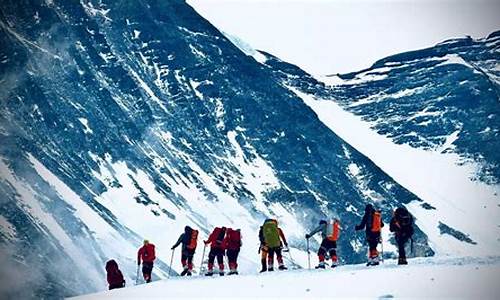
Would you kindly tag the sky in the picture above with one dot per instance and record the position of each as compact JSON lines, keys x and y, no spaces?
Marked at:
{"x":341,"y":36}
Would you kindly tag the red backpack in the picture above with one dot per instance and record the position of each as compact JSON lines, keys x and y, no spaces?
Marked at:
{"x":233,"y":239}
{"x":376,"y":221}
{"x":193,"y":241}
{"x":114,"y":275}
{"x":333,"y":230}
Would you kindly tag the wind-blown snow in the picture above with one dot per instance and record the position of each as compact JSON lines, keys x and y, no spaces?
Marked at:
{"x":457,"y":59}
{"x":246,"y":48}
{"x":46,"y":222}
{"x":462,"y":278}
{"x":7,"y":230}
{"x":441,"y":179}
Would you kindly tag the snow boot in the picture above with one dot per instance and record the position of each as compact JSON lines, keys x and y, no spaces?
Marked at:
{"x":221,"y":273}
{"x":189,"y":273}
{"x":270,"y":269}
{"x":234,"y":272}
{"x":264,"y":266}
{"x":402,"y":261}
{"x":320,"y":266}
{"x":282,"y":267}
{"x":372,"y":263}
{"x":209,"y":273}
{"x":184,"y":272}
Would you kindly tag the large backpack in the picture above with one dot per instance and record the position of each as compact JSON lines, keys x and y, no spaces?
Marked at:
{"x":405,"y":221}
{"x":376,"y":221}
{"x":220,"y":235}
{"x":233,"y":238}
{"x":271,"y":234}
{"x":114,"y":275}
{"x":333,"y":230}
{"x":111,"y":266}
{"x":193,"y":240}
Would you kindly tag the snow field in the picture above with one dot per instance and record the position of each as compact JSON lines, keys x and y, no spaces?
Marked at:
{"x":464,"y":278}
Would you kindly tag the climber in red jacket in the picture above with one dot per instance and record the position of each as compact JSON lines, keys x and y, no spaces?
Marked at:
{"x":147,"y":254}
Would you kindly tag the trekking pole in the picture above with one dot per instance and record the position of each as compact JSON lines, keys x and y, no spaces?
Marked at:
{"x":382,"y":248}
{"x":137,"y":275}
{"x":171,"y":261}
{"x":291,"y":258}
{"x":202,"y":258}
{"x":308,"y":255}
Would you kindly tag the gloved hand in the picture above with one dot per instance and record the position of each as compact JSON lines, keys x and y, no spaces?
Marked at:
{"x":357,"y":227}
{"x":206,"y":242}
{"x":138,"y":263}
{"x":173,"y":247}
{"x":307,"y":236}
{"x":286,"y":245}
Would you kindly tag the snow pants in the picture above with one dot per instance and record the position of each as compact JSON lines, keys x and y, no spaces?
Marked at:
{"x":147,"y":269}
{"x":330,"y":247}
{"x":232,"y":257}
{"x":216,"y":252}
{"x":401,"y":241}
{"x":270,"y":256}
{"x":373,"y":239}
{"x":187,"y":259}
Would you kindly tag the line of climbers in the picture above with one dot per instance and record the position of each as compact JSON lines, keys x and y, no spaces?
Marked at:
{"x":227,"y":242}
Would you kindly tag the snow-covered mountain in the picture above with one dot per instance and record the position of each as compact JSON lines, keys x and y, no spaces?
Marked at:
{"x":124,"y":120}
{"x":430,"y":119}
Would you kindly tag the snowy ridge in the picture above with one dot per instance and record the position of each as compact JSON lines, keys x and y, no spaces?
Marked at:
{"x":246,"y":48}
{"x":466,"y":278}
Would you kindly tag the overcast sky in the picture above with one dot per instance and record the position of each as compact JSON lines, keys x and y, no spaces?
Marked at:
{"x":340,"y":36}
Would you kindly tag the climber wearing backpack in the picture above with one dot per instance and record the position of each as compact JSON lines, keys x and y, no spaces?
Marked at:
{"x":216,"y":241}
{"x":232,"y":244}
{"x":402,"y":226}
{"x":189,"y":241}
{"x":147,"y":254}
{"x":330,"y":233}
{"x":372,"y":223}
{"x":114,"y":275}
{"x":274,"y":239}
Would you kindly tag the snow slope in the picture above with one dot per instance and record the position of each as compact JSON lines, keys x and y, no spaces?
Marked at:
{"x":438,"y":178}
{"x":424,"y":278}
